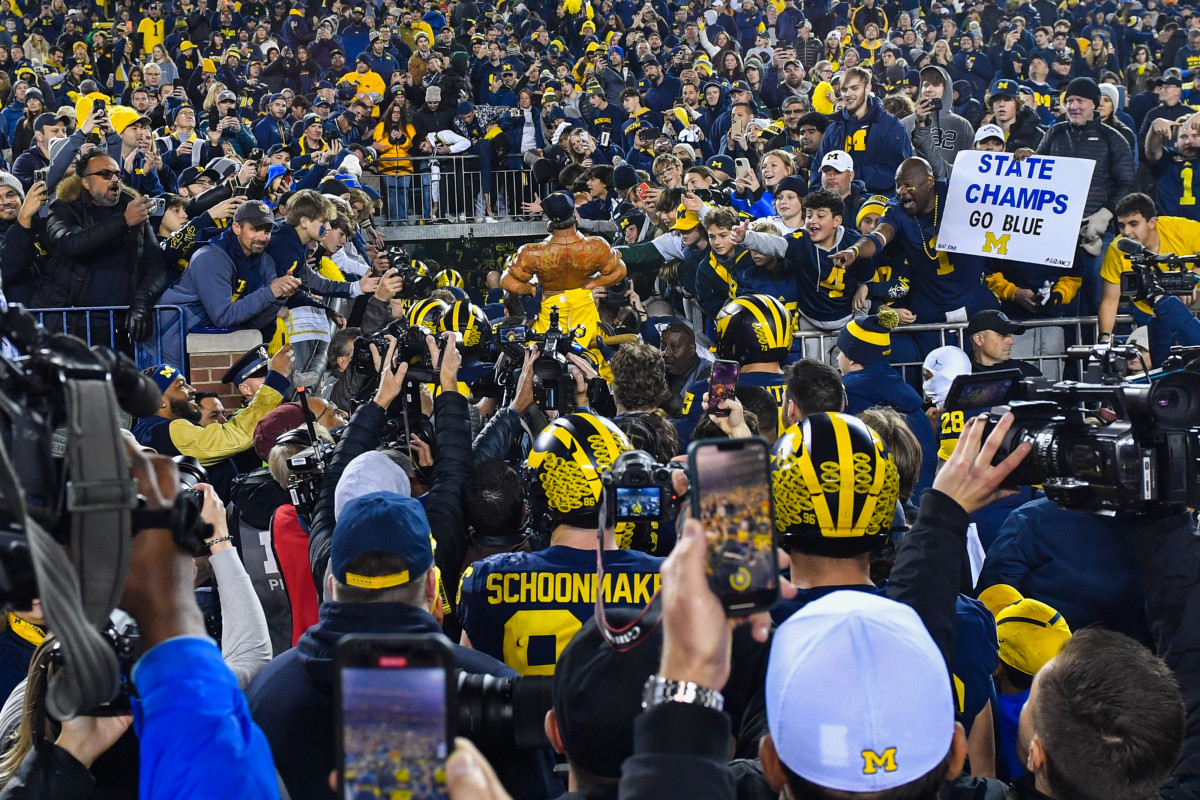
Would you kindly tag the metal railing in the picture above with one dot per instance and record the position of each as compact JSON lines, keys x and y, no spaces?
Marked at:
{"x":1043,"y":343}
{"x":453,"y":189}
{"x":105,"y":325}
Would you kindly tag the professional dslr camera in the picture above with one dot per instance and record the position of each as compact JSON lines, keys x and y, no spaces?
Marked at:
{"x":638,"y":489}
{"x":418,"y":284}
{"x":1177,"y":279}
{"x":1143,"y":461}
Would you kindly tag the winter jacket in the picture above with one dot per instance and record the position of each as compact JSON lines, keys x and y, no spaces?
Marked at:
{"x":1026,"y":131}
{"x":1112,"y":178}
{"x":443,"y":504}
{"x":292,"y":699}
{"x":1080,"y":564}
{"x":290,"y":257}
{"x":966,"y":106}
{"x":878,"y":143}
{"x":21,"y":261}
{"x":95,"y":258}
{"x":974,"y":67}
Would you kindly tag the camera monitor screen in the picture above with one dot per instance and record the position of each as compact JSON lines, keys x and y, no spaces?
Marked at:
{"x":638,"y":503}
{"x":513,"y":335}
{"x":394,"y":731}
{"x":982,"y":391}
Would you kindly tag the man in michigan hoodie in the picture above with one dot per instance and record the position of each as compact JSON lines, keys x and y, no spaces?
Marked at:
{"x":934,"y":125}
{"x":875,"y":139}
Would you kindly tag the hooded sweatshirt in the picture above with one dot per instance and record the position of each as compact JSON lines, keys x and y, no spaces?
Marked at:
{"x":947,"y":133}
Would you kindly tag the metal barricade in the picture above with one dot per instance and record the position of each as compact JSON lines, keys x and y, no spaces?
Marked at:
{"x":452,"y":189}
{"x":1074,"y":330}
{"x":98,"y":325}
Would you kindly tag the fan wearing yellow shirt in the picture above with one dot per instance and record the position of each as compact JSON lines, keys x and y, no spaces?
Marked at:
{"x":1138,"y":219}
{"x":363,"y":78}
{"x":152,"y":29}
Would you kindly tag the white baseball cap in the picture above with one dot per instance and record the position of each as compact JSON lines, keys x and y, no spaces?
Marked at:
{"x":989,"y":132}
{"x":840,"y":160}
{"x":858,"y":695}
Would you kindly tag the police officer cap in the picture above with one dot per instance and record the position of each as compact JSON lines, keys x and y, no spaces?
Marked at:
{"x":253,"y":364}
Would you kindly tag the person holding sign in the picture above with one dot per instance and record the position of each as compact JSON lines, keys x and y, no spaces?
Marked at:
{"x":945,"y":287}
{"x":1083,"y":135}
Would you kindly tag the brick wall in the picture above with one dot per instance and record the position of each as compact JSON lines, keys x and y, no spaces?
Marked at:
{"x":210,"y":354}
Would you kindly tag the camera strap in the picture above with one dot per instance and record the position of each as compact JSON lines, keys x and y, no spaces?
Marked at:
{"x":625,"y":638}
{"x":90,"y":674}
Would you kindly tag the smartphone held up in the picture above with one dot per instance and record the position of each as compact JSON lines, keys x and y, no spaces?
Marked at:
{"x":394,"y":702}
{"x":731,"y":496}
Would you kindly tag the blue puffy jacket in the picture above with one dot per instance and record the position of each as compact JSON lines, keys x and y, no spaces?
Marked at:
{"x":878,"y":144}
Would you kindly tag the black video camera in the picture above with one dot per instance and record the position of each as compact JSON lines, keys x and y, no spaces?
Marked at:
{"x":417,"y":282}
{"x":509,"y":709}
{"x":638,"y":489}
{"x":1145,"y":460}
{"x":1172,"y":273}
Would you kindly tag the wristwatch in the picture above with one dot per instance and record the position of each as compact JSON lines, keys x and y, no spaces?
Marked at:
{"x":659,"y":690}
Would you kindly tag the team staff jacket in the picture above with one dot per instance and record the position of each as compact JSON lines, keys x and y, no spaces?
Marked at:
{"x":877,"y":143}
{"x":938,"y":284}
{"x":693,"y":401}
{"x":523,"y":608}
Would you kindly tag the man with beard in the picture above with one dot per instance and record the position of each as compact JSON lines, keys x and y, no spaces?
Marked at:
{"x":20,"y":226}
{"x":683,"y":364}
{"x":175,"y":429}
{"x":944,"y":286}
{"x":1173,"y":167}
{"x":231,"y":282}
{"x":102,"y":249}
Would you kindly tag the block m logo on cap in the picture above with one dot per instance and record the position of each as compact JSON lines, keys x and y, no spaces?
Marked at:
{"x":873,"y":762}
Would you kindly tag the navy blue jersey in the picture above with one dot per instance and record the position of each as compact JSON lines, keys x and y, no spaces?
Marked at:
{"x":939,"y":282}
{"x":523,"y":608}
{"x":1177,"y":185}
{"x":693,"y":401}
{"x":825,"y":292}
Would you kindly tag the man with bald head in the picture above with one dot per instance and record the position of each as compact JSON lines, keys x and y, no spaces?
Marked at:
{"x":945,"y":287}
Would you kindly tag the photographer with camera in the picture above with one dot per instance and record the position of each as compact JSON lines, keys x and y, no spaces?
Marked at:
{"x":1138,"y":219}
{"x":365,"y":431}
{"x":382,"y":580}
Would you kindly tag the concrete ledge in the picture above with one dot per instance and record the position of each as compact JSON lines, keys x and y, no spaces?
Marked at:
{"x":232,"y":342}
{"x":503,"y":229}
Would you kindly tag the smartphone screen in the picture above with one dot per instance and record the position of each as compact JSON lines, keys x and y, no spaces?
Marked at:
{"x":731,"y":496}
{"x":722,"y":385}
{"x":395,"y":720}
{"x":513,"y":335}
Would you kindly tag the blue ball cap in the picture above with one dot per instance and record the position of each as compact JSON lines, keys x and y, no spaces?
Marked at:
{"x":465,"y":107}
{"x":1004,"y":87}
{"x":559,"y":206}
{"x":381,"y":522}
{"x":164,"y":375}
{"x":723,"y":163}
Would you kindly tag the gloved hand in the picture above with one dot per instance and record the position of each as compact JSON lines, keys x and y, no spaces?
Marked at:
{"x":137,"y":320}
{"x":1052,"y":301}
{"x":1095,"y":226}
